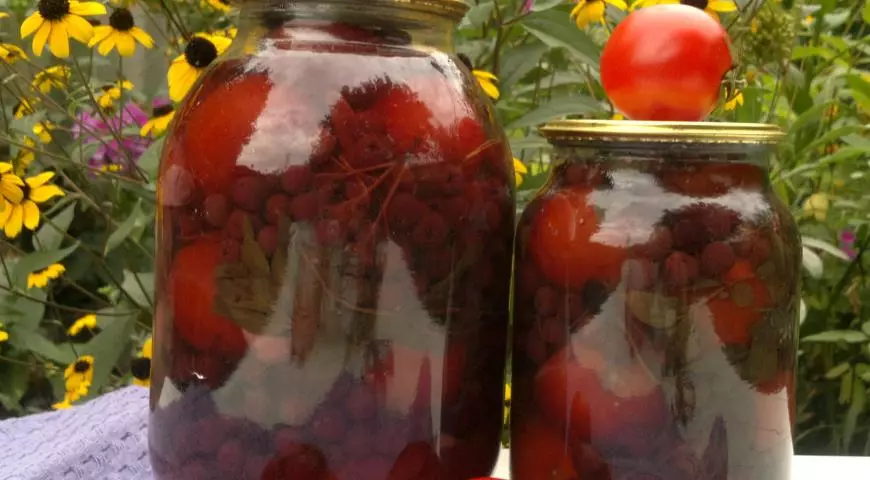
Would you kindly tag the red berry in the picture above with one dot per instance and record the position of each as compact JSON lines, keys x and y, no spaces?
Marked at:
{"x":361,"y":403}
{"x":369,"y":150}
{"x":754,"y":248}
{"x":546,"y":301}
{"x":218,"y":122}
{"x":297,"y":179}
{"x":267,"y":238}
{"x":304,"y":207}
{"x":255,"y":467}
{"x":407,"y":119}
{"x":328,"y":425}
{"x":235,"y":226}
{"x":303,"y":461}
{"x":539,"y":451}
{"x":287,"y":440}
{"x":368,"y":468}
{"x":680,"y":269}
{"x":659,"y":244}
{"x":584,"y":175}
{"x":231,"y":457}
{"x":716,"y":259}
{"x":231,"y":250}
{"x":417,"y":461}
{"x":250,"y":193}
{"x":358,"y":441}
{"x":431,"y":231}
{"x":192,"y":293}
{"x":276,"y":207}
{"x":404,"y":211}
{"x":217,"y":209}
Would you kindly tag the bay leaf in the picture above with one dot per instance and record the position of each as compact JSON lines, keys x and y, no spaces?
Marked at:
{"x":652,"y":309}
{"x":252,"y":255}
{"x":742,"y":295}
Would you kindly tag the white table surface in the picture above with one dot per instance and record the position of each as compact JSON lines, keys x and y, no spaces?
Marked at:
{"x":803,"y":468}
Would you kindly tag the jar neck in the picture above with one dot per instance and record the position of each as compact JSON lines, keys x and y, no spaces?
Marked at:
{"x":389,"y":23}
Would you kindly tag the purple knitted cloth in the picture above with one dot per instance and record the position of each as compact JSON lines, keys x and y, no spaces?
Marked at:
{"x":104,"y":439}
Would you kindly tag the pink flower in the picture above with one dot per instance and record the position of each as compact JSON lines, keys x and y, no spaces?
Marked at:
{"x":847,"y":242}
{"x":113,"y":153}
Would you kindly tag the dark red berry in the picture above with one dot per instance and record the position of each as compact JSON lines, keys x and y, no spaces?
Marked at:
{"x":323,"y":149}
{"x":431,"y":231}
{"x":250,"y":193}
{"x":304,"y":207}
{"x":720,"y":222}
{"x":404,"y":211}
{"x":328,"y":425}
{"x":755,"y":248}
{"x":689,"y":235}
{"x":586,"y":175}
{"x":276,"y":207}
{"x":287,"y":439}
{"x":358,"y":440}
{"x":297,"y":179}
{"x":216,"y":209}
{"x":361,"y":403}
{"x":553,"y":330}
{"x":546,"y":301}
{"x":369,"y":150}
{"x":439,"y":263}
{"x":680,"y":269}
{"x":716,"y":259}
{"x":235,"y":227}
{"x":189,"y":225}
{"x":659,"y":244}
{"x":231,"y":457}
{"x":267,"y":238}
{"x":304,"y":461}
{"x":255,"y":467}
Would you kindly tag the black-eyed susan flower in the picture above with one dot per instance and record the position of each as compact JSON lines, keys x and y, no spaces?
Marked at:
{"x":159,"y":121}
{"x":712,"y":7}
{"x":486,"y":79}
{"x":4,"y":335}
{"x":140,"y":367}
{"x":11,"y":187}
{"x":219,"y":5}
{"x":52,"y":77}
{"x":77,"y":379}
{"x":25,"y":107}
{"x":43,"y":130}
{"x":199,"y":53}
{"x":26,"y":214}
{"x":520,"y":170}
{"x":121,"y":33}
{"x":26,"y":156}
{"x":41,"y":278}
{"x":734,"y":101}
{"x":55,"y":21}
{"x":4,"y":14}
{"x":227,"y":32}
{"x":88,"y":321}
{"x":589,"y":11}
{"x":112,"y":92}
{"x":10,"y":53}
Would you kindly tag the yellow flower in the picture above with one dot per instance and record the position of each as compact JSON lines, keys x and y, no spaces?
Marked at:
{"x":809,"y":20}
{"x":51,"y":78}
{"x":617,"y":116}
{"x":734,"y":101}
{"x":42,"y":130}
{"x":78,"y":378}
{"x":219,"y":5}
{"x":227,"y":32}
{"x":11,"y":53}
{"x":588,"y":11}
{"x":111,"y":93}
{"x":817,"y":206}
{"x":54,"y":21}
{"x":11,"y":186}
{"x":88,"y":321}
{"x":26,"y":155}
{"x":140,"y":367}
{"x":41,"y":278}
{"x":4,"y":335}
{"x":712,"y":7}
{"x":4,"y":14}
{"x":487,"y":81}
{"x":507,"y":402}
{"x":25,"y":107}
{"x":159,"y":121}
{"x":199,"y":53}
{"x":121,"y":33}
{"x":519,"y":170}
{"x":26,"y":213}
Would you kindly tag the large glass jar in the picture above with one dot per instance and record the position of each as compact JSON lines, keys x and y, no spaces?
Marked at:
{"x":335,"y":238}
{"x":655,"y":308}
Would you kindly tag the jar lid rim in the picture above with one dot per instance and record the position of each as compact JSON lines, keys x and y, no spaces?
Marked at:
{"x":562,"y":131}
{"x":454,"y":9}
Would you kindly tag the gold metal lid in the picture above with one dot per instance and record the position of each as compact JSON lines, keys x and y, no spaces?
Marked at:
{"x":571,"y":131}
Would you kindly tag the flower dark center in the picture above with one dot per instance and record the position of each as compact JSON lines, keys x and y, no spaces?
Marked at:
{"x":82,"y":366}
{"x":53,"y":10}
{"x":162,"y":110}
{"x":702,"y":4}
{"x":465,"y":60}
{"x":141,"y":368}
{"x":200,"y":52}
{"x":121,"y":20}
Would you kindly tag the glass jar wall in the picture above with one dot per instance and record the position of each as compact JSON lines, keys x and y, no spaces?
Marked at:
{"x":655,"y":308}
{"x":335,"y":239}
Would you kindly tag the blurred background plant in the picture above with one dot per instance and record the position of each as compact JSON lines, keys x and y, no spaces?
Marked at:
{"x":83,"y":118}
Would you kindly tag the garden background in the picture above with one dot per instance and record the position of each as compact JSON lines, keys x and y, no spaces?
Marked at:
{"x":83,"y":117}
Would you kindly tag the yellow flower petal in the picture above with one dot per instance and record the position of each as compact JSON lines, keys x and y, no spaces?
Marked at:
{"x":86,"y":8}
{"x":38,"y":180}
{"x":41,"y":38}
{"x":620,"y":4}
{"x":713,"y":14}
{"x":58,"y":43}
{"x":15,"y":221}
{"x":31,"y":24}
{"x":483,"y":74}
{"x":126,"y":44}
{"x":722,"y":6}
{"x":3,"y":336}
{"x":5,"y":167}
{"x":10,"y":190}
{"x":181,"y":77}
{"x":79,"y":28}
{"x":101,"y":32}
{"x":31,"y":215}
{"x":5,"y":212}
{"x":142,"y":37}
{"x":108,"y":43}
{"x":45,"y":193}
{"x":490,"y":89}
{"x":520,"y":167}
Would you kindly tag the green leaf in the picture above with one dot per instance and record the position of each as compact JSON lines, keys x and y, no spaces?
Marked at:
{"x":811,"y":115}
{"x":34,"y":341}
{"x":812,"y":263}
{"x":846,"y":385}
{"x":863,"y":371}
{"x":35,"y":261}
{"x":833,"y":336}
{"x":825,"y":247}
{"x":142,"y":297}
{"x":555,"y":28}
{"x":517,"y":62}
{"x":29,"y":309}
{"x":806,"y":51}
{"x":834,"y":135}
{"x":865,"y":13}
{"x":135,"y":219}
{"x":16,"y":379}
{"x":842,"y":155}
{"x":149,"y":161}
{"x":865,"y":327}
{"x":50,"y":235}
{"x":856,"y":408}
{"x":557,"y":107}
{"x":858,"y":84}
{"x":838,"y":370}
{"x":107,"y":348}
{"x":477,"y":15}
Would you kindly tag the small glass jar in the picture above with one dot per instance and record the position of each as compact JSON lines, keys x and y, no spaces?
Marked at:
{"x":655,"y":307}
{"x":336,"y":222}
